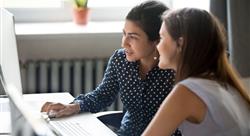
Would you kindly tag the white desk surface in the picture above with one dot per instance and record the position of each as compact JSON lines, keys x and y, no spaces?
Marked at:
{"x":35,"y":101}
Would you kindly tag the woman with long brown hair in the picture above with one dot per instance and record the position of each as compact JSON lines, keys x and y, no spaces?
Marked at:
{"x":208,"y":98}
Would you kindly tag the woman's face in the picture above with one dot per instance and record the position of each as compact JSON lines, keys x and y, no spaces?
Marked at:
{"x":167,"y":49}
{"x":136,"y":43}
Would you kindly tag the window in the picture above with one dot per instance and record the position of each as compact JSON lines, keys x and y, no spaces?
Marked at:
{"x":31,"y":3}
{"x":38,"y":10}
{"x":101,"y":10}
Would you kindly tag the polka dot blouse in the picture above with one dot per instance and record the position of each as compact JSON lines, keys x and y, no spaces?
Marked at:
{"x":140,"y":97}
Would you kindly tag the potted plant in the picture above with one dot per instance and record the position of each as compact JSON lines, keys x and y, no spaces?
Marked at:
{"x":81,"y":11}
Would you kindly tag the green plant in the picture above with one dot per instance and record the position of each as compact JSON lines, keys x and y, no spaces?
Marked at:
{"x":81,"y":3}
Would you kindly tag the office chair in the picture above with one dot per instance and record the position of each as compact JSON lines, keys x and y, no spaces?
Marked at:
{"x":112,"y":119}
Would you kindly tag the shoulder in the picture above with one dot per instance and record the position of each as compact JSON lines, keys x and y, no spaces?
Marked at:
{"x":118,"y":55}
{"x":184,"y":105}
{"x":118,"y":59}
{"x":194,"y":105}
{"x":197,"y":86}
{"x":209,"y":91}
{"x":183,"y":93}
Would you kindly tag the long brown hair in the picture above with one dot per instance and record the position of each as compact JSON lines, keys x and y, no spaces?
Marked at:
{"x":203,"y":53}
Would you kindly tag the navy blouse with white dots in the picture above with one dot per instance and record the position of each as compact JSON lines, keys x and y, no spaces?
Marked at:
{"x":140,"y":97}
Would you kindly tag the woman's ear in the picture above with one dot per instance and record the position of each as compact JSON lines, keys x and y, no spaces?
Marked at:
{"x":155,"y":43}
{"x":180,"y":43}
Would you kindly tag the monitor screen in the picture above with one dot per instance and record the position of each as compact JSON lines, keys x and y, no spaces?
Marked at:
{"x":8,"y":50}
{"x":2,"y":92}
{"x":23,"y":121}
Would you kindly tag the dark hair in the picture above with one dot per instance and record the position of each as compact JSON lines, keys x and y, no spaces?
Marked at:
{"x":147,"y":16}
{"x":203,"y":53}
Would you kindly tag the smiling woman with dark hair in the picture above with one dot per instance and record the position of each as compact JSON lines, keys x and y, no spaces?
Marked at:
{"x":132,"y":73}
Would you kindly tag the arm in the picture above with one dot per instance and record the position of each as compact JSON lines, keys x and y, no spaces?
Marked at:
{"x":94,"y":101}
{"x":181,"y":104}
{"x":105,"y":94}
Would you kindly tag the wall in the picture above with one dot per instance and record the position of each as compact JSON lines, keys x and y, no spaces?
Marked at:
{"x":67,"y":46}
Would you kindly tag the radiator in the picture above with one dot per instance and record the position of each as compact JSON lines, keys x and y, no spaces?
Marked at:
{"x":73,"y":76}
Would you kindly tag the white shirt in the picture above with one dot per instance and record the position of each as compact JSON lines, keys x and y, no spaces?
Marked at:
{"x":228,"y":114}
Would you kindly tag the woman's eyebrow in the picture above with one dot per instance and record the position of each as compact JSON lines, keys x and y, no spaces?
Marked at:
{"x":133,"y":34}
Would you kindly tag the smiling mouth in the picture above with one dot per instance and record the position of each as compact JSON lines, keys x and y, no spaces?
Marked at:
{"x":128,"y":52}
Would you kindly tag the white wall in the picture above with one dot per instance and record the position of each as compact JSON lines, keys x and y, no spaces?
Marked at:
{"x":67,"y":46}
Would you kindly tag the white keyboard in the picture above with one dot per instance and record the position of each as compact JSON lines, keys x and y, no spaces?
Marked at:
{"x":69,"y":128}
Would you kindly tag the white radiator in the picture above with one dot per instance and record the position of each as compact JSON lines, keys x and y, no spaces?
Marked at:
{"x":73,"y":76}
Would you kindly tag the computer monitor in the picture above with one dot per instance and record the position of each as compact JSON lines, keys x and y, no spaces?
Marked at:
{"x":8,"y":50}
{"x":1,"y":39}
{"x":2,"y":92}
{"x":24,"y":121}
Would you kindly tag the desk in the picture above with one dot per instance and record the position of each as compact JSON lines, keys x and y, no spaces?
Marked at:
{"x":37,"y":100}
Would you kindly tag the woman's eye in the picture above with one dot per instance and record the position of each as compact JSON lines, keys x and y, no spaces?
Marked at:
{"x":132,"y":37}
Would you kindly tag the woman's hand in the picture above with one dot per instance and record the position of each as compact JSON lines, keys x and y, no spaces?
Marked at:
{"x":56,"y":110}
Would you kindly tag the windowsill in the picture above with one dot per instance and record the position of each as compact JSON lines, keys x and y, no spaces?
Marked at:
{"x":62,"y":28}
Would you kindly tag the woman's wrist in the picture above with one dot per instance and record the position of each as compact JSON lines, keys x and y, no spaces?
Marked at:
{"x":76,"y":107}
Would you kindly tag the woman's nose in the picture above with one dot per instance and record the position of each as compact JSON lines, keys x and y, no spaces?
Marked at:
{"x":124,"y":42}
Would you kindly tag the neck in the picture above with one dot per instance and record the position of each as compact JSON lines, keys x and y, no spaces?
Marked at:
{"x":148,"y":63}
